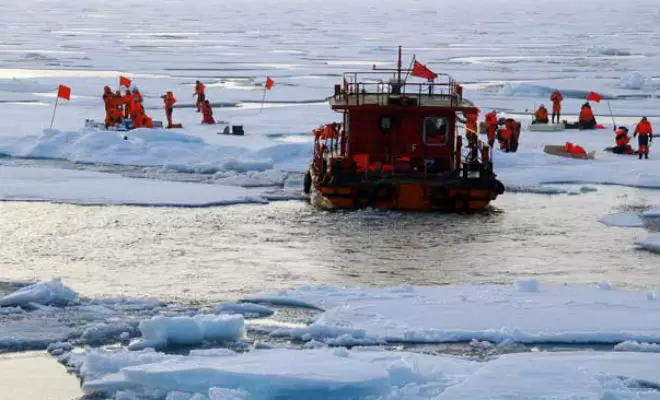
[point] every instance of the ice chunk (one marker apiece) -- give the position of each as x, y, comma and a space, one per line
46, 293
635, 81
651, 243
228, 394
245, 309
162, 331
634, 346
527, 285
624, 219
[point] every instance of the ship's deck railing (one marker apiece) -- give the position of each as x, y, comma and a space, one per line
379, 88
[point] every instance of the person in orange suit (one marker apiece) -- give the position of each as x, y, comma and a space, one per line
207, 113
107, 100
556, 99
587, 119
622, 141
137, 96
491, 127
541, 115
471, 132
200, 94
504, 137
128, 100
645, 132
169, 100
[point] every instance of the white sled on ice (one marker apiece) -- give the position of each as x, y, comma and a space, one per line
546, 127
123, 127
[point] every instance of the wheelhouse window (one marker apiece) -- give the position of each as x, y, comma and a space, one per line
436, 131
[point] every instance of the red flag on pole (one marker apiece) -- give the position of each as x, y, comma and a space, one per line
64, 92
422, 71
593, 96
125, 82
269, 83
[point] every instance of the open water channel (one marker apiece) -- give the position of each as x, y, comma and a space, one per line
208, 254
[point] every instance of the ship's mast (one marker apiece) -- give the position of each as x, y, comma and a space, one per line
399, 66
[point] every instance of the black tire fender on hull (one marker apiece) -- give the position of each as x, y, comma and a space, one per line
307, 184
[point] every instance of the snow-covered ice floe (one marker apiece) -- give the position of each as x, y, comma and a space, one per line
526, 312
366, 374
95, 188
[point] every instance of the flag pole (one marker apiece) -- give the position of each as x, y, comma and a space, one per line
611, 114
52, 119
263, 100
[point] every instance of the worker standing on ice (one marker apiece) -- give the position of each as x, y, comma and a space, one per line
107, 100
128, 100
491, 127
556, 99
587, 119
645, 132
199, 93
471, 126
169, 101
541, 115
207, 113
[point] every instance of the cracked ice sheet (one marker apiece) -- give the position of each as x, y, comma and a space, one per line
557, 314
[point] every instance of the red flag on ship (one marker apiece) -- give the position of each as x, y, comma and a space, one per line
422, 71
269, 83
593, 96
125, 82
64, 92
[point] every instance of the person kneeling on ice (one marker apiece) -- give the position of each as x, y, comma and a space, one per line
645, 132
622, 141
169, 100
541, 115
574, 149
491, 127
587, 119
207, 113
556, 99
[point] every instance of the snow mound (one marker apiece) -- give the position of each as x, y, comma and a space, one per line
634, 81
624, 220
160, 332
556, 314
45, 293
245, 309
651, 243
158, 148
